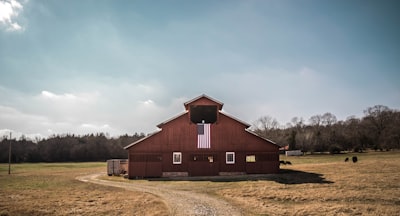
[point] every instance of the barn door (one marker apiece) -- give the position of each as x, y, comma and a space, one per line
252, 167
203, 165
145, 165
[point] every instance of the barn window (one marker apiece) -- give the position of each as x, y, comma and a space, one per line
230, 157
250, 158
177, 158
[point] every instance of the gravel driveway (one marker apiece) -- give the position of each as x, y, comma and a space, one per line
180, 202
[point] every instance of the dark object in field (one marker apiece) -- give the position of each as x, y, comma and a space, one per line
355, 159
347, 159
285, 162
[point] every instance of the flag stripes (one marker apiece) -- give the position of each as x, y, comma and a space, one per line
203, 136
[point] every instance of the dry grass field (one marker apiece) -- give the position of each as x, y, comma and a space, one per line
51, 189
325, 185
313, 185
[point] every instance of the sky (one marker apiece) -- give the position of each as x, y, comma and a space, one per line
121, 67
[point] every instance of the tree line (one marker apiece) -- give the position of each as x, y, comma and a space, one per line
378, 129
67, 148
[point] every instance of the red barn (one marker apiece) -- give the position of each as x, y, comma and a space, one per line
203, 141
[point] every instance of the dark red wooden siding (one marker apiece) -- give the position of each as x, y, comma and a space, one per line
180, 135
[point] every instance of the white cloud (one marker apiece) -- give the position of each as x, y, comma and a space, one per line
114, 108
88, 128
18, 122
147, 102
82, 97
5, 133
94, 126
47, 94
9, 10
14, 27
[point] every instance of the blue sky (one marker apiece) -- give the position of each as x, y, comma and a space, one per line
125, 66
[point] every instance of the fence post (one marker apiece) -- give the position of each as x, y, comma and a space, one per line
9, 157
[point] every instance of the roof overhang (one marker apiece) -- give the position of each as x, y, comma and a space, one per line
204, 96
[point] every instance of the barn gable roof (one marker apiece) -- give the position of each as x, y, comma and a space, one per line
171, 119
220, 104
141, 140
236, 119
247, 127
251, 132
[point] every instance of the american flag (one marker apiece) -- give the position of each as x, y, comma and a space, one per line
203, 136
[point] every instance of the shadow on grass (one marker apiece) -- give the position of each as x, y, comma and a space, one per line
286, 176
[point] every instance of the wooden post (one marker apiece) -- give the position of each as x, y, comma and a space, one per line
9, 157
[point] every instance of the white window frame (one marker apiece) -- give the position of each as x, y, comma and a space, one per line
179, 156
233, 157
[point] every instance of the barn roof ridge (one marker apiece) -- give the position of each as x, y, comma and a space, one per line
204, 96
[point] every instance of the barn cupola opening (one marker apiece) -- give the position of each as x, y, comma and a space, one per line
206, 114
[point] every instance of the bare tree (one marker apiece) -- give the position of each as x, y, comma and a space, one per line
377, 120
266, 126
297, 122
328, 119
379, 129
265, 123
315, 120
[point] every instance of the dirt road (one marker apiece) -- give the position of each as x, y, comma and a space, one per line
180, 202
